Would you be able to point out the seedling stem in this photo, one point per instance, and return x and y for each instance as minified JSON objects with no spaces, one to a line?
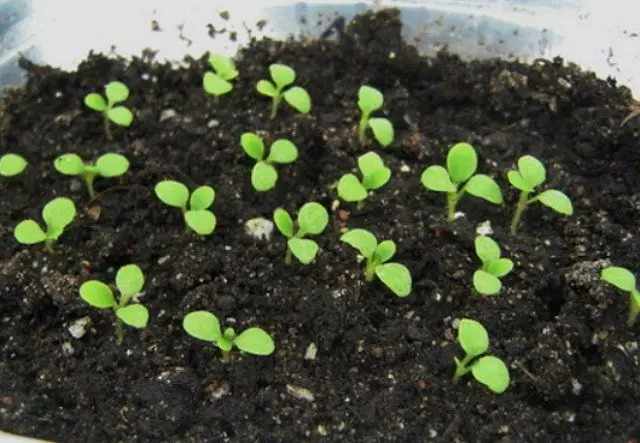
{"x":463,"y":368}
{"x":523,"y":201}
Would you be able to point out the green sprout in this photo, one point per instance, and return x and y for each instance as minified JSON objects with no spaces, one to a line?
{"x":12,"y":165}
{"x":486,"y":280}
{"x":394,"y":275}
{"x":312,"y":219}
{"x":488,"y":370}
{"x":370,"y":100}
{"x":531,"y":174}
{"x":108,"y":165}
{"x":462,"y":163}
{"x":194,"y":208}
{"x":217,"y":82}
{"x":283,"y":76}
{"x":115,"y":93}
{"x":263,"y":175}
{"x":623,"y":279}
{"x":57,"y":214}
{"x":203,"y":325}
{"x":374,"y":175}
{"x":129,"y":281}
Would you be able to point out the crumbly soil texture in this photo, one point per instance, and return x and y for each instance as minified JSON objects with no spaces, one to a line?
{"x":353,"y":362}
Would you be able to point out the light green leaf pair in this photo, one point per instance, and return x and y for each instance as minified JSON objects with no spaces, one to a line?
{"x":370,"y":100}
{"x":197,"y":216}
{"x":374,"y":175}
{"x":218,"y":82}
{"x":108,"y":165}
{"x":115,"y":92}
{"x":283,"y":76}
{"x":486,"y":280}
{"x":624,"y":280}
{"x":12,"y":165}
{"x":264,"y":175}
{"x":312,"y":220}
{"x":57,"y":215}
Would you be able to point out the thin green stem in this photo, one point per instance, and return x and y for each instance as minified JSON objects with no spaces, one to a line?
{"x":360,"y":205}
{"x":48,"y":245}
{"x":288,"y":256}
{"x":119,"y":332}
{"x":362,"y":127}
{"x":226,"y":357}
{"x":520,"y":208}
{"x":634,"y":310}
{"x":274,"y":105}
{"x":369,"y":271}
{"x":461,"y":368}
{"x":452,"y":202}
{"x":107,"y":126}
{"x":88,"y":179}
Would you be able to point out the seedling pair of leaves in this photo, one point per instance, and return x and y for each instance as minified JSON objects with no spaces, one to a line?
{"x":12,"y":165}
{"x":194,"y":207}
{"x":57,"y":214}
{"x":370,"y":100}
{"x":623,"y":279}
{"x":486,"y":280}
{"x":115,"y":92}
{"x":218,"y":83}
{"x":205,"y":326}
{"x":283,"y":76}
{"x":264,"y":175}
{"x":488,"y":370}
{"x":377,"y":255}
{"x":312,"y":220}
{"x":531,"y":173}
{"x":374,"y":175}
{"x":129,"y":281}
{"x":108,"y":165}
{"x":459,"y":178}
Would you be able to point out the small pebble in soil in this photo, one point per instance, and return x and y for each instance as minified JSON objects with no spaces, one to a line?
{"x":301,"y":393}
{"x":67,"y":349}
{"x":213,"y":123}
{"x":259,"y":228}
{"x":75,"y":185}
{"x":405,"y":168}
{"x":167,"y":114}
{"x":576,"y":387}
{"x":312,"y":352}
{"x":433,"y":433}
{"x":78,"y":328}
{"x":484,"y":228}
{"x":458,"y":215}
{"x":322,"y":430}
{"x":163,"y":260}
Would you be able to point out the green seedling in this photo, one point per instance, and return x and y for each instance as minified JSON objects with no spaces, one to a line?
{"x":115,"y":92}
{"x":486,"y":280}
{"x":623,"y":279}
{"x":312,"y":220}
{"x":129,"y":281}
{"x":488,"y":370}
{"x":12,"y":165}
{"x":57,"y":214}
{"x":264,"y":175}
{"x":194,"y":208}
{"x":531,"y":173}
{"x":370,"y":100}
{"x":217,"y":82}
{"x":374,"y":175}
{"x":377,"y":255}
{"x":283,"y":76}
{"x":108,"y":166}
{"x":203,"y":325}
{"x":459,"y":178}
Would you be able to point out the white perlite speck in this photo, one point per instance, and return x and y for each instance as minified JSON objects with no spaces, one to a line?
{"x":312,"y":352}
{"x":167,"y":114}
{"x":301,"y":393}
{"x":78,"y":328}
{"x":259,"y":228}
{"x":484,"y":228}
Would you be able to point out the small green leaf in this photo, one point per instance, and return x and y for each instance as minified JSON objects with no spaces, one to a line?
{"x":172,"y":193}
{"x":382,"y":130}
{"x":557,"y":201}
{"x":225,"y":344}
{"x":370,"y":163}
{"x":369,"y":99}
{"x":252,"y":145}
{"x":436,"y":178}
{"x":396,"y":277}
{"x":364,"y":241}
{"x":265,"y":87}
{"x":58,"y":213}
{"x":263,"y":177}
{"x":69,"y":164}
{"x":215,"y":85}
{"x":532,"y":170}
{"x":95,"y":101}
{"x":203,"y":221}
{"x":312,"y":218}
{"x":485,"y":283}
{"x":120,"y":115}
{"x":473,"y":337}
{"x":12,"y":165}
{"x":500,"y":268}
{"x":136,"y":315}
{"x":29,"y":232}
{"x":462,"y":162}
{"x":377,"y":180}
{"x":485,"y":187}
{"x":619,"y":277}
{"x":129,"y":280}
{"x":202,"y":198}
{"x":304,"y":249}
{"x":385,"y":250}
{"x":298,"y":98}
{"x":283,"y":222}
{"x":116,"y":92}
{"x":97,"y":294}
{"x":350,"y":189}
{"x":487,"y":249}
{"x":112,"y":165}
{"x":492,"y":372}
{"x":202,"y":325}
{"x":282,"y":75}
{"x":282,"y":151}
{"x":518,"y":181}
{"x":255,"y":341}
{"x":225,"y":67}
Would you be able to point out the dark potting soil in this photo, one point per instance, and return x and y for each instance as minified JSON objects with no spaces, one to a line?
{"x":384,"y":364}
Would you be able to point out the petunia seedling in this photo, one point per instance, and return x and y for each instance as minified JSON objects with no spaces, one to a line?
{"x":264,"y":175}
{"x":115,"y":92}
{"x":108,"y":166}
{"x":623,"y":279}
{"x":203,"y":325}
{"x":129,"y":281}
{"x":374,"y":175}
{"x":217,"y":82}
{"x":12,"y":165}
{"x":488,"y":370}
{"x":281,"y":77}
{"x":194,"y":207}
{"x":377,"y":255}
{"x":531,"y":173}
{"x":370,"y":100}
{"x":459,"y":178}
{"x":57,"y":214}
{"x":312,"y":220}
{"x":486,"y":280}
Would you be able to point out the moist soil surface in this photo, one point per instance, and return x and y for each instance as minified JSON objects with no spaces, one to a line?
{"x":384,"y":365}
